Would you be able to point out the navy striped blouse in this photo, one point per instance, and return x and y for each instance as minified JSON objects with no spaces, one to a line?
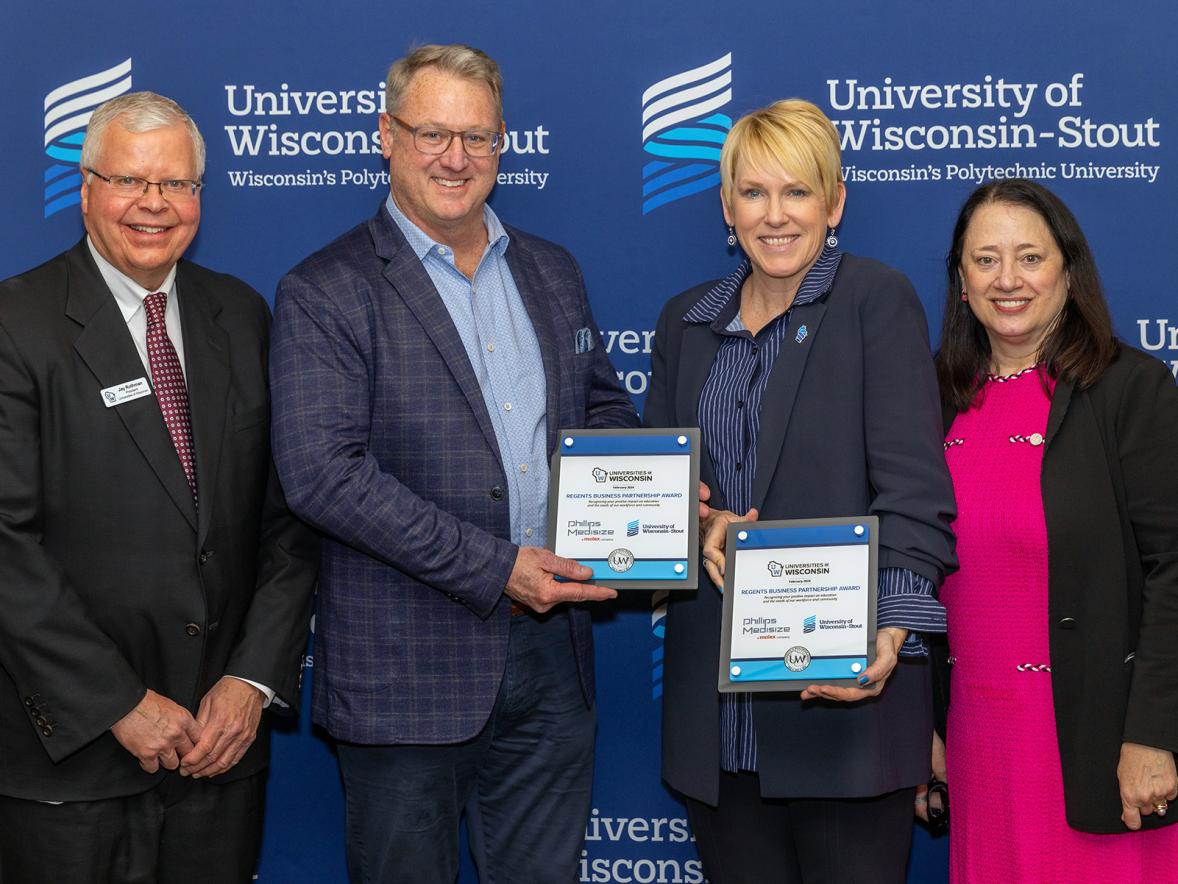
{"x":730,"y":419}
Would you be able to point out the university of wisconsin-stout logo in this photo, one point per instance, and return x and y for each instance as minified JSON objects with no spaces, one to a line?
{"x":632,"y":528}
{"x":683,"y":127}
{"x":67,"y":112}
{"x":809,"y":624}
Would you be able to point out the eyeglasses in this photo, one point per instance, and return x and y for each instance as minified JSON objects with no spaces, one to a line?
{"x":172,"y":189}
{"x":435,"y":140}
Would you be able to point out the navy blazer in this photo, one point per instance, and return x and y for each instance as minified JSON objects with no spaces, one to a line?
{"x":383,"y":442}
{"x":850,"y":425}
{"x":1110,"y":501}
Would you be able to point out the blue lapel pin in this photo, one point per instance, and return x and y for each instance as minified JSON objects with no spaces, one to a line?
{"x":801,"y":335}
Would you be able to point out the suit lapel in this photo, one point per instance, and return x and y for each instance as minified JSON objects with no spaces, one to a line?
{"x":777,"y":403}
{"x":407,"y":276}
{"x":206,"y":362}
{"x":105,"y":346}
{"x":696,"y":355}
{"x":1061,"y":398}
{"x":531,"y":291}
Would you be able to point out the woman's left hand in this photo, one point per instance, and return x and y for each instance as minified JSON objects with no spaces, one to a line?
{"x":888,"y":641}
{"x":1148,"y":782}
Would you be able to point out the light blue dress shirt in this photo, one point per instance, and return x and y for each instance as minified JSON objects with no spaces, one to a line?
{"x":500,"y":341}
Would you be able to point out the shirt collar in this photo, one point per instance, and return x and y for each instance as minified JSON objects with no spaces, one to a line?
{"x":127,"y":292}
{"x":423,"y":244}
{"x":722,"y":301}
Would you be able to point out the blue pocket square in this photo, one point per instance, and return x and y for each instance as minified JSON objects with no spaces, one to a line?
{"x":585,"y":340}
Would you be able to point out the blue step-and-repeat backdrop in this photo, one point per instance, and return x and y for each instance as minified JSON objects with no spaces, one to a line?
{"x":615,"y":112}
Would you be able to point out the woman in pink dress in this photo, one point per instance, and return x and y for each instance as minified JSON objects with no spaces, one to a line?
{"x":1063,"y":618}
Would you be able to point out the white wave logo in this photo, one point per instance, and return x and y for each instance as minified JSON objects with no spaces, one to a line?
{"x":67,"y":113}
{"x":682,"y":125}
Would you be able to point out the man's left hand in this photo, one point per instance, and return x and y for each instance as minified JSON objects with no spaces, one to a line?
{"x":229,"y":714}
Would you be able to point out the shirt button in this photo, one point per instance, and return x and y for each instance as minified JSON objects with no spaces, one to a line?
{"x":442,"y":251}
{"x":490,"y":348}
{"x":740,"y":403}
{"x":192,"y":629}
{"x":739,"y":467}
{"x":528,"y":532}
{"x":523,"y":467}
{"x":507,"y":406}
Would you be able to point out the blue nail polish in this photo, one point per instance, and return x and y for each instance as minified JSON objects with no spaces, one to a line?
{"x":863,"y":680}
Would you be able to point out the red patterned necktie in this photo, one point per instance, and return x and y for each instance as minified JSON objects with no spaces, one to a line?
{"x":168,"y":380}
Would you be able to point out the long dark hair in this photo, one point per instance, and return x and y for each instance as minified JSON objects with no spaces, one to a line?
{"x":1079,"y":347}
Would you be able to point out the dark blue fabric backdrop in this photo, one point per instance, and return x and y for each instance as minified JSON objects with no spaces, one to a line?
{"x":616,"y":112}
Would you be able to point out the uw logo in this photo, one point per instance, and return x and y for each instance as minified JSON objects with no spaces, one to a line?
{"x":67,"y":112}
{"x":682,"y":125}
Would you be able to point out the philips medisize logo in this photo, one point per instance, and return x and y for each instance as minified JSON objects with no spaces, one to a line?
{"x":682,"y":125}
{"x":67,"y":113}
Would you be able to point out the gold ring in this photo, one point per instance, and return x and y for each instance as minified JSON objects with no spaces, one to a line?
{"x":1161,"y":808}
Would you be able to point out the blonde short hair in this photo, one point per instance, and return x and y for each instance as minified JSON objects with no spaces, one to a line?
{"x":139,"y":112}
{"x":792,"y":135}
{"x":455,"y":58}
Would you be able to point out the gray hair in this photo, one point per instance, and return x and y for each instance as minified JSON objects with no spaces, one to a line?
{"x":455,"y":58}
{"x":139,"y":112}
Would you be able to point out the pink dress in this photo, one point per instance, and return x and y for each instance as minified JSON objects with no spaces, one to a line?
{"x":1006,"y":790}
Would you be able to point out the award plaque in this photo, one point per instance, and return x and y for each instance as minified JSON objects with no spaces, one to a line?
{"x":626,"y":504}
{"x":799,"y":603}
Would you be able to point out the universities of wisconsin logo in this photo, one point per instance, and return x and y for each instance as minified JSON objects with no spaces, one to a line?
{"x":683,"y":128}
{"x":67,"y":112}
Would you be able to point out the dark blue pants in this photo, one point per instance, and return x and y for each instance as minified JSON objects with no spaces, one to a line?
{"x":524,"y":782}
{"x":802,"y":840}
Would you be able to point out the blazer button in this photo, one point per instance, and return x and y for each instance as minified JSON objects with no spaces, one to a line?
{"x":1067,"y":623}
{"x":28,"y":701}
{"x":192,"y":629}
{"x":47,"y":731}
{"x":40,"y":720}
{"x":205,"y":555}
{"x":496,"y":493}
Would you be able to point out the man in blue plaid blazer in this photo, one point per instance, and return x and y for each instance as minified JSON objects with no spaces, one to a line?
{"x":422,"y":367}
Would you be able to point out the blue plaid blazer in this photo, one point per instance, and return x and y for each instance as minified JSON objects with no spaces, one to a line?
{"x":384,"y":444}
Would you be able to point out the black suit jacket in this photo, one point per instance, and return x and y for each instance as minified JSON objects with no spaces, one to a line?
{"x":111,"y":582}
{"x":1110,"y":499}
{"x":848,"y":427}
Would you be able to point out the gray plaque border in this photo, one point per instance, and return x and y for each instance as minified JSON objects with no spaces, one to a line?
{"x":725,"y":683}
{"x":691,"y":581}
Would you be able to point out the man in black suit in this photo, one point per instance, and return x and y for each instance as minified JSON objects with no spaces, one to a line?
{"x":154,"y":589}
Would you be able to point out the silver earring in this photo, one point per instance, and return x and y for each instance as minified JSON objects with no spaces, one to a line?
{"x":731,"y":236}
{"x":832,"y":241}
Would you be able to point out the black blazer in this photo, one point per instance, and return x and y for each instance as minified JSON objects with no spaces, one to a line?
{"x":110,"y":581}
{"x":848,"y":427}
{"x":1110,"y":498}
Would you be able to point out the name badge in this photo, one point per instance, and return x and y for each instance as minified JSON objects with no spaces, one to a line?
{"x":125,"y":392}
